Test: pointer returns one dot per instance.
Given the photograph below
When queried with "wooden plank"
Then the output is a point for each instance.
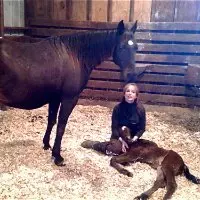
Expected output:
(155, 78)
(99, 10)
(142, 10)
(167, 37)
(109, 11)
(41, 8)
(163, 11)
(169, 69)
(68, 9)
(1, 19)
(169, 48)
(59, 9)
(70, 23)
(169, 99)
(181, 11)
(108, 65)
(97, 84)
(173, 59)
(50, 9)
(170, 26)
(145, 97)
(47, 32)
(79, 10)
(29, 10)
(143, 87)
(120, 10)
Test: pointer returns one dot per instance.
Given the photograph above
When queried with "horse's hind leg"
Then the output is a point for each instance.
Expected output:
(159, 183)
(117, 162)
(170, 182)
(52, 116)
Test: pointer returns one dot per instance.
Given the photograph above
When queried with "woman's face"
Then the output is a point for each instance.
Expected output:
(130, 94)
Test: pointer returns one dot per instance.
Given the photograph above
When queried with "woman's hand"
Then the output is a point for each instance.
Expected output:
(135, 138)
(124, 145)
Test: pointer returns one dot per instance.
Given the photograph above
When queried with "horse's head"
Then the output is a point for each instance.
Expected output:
(124, 52)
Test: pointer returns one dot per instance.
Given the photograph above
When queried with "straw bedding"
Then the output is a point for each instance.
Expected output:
(27, 172)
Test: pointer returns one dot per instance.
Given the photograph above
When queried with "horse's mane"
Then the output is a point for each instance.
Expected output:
(90, 47)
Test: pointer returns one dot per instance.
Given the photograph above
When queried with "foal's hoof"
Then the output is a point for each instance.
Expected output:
(59, 161)
(141, 197)
(129, 174)
(88, 144)
(126, 172)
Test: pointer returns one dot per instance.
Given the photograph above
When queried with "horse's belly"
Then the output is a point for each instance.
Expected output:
(27, 101)
(27, 104)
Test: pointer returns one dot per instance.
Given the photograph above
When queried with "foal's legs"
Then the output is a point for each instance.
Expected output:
(159, 183)
(117, 162)
(66, 108)
(52, 116)
(171, 182)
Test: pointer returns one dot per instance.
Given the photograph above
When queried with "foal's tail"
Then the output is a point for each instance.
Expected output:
(189, 176)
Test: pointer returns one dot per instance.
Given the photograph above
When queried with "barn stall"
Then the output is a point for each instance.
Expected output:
(168, 44)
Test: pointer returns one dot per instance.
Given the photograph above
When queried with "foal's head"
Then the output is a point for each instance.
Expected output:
(125, 134)
(124, 52)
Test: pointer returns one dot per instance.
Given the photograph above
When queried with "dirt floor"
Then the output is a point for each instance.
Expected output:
(27, 172)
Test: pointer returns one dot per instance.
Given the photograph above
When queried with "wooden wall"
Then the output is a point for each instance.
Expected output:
(101, 10)
(114, 10)
(166, 44)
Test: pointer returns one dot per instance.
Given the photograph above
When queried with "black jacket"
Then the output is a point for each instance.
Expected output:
(132, 115)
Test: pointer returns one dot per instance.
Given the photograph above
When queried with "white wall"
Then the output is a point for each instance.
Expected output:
(13, 13)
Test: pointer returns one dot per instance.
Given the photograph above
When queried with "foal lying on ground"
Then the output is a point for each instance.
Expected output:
(168, 163)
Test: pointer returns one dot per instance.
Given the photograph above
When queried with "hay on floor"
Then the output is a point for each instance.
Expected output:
(27, 172)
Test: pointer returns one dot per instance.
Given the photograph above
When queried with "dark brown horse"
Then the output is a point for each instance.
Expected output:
(168, 163)
(56, 70)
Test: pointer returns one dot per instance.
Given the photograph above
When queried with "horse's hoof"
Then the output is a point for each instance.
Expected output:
(141, 197)
(58, 161)
(47, 147)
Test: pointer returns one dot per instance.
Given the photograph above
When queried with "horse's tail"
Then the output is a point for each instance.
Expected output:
(189, 176)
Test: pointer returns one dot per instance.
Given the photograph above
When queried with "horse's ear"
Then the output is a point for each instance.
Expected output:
(120, 27)
(133, 29)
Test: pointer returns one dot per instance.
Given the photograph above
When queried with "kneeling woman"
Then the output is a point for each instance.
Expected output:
(130, 115)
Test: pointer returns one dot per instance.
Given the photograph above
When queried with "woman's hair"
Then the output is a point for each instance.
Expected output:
(131, 84)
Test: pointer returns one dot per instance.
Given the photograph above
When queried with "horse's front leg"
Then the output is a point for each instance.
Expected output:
(52, 116)
(66, 108)
(117, 162)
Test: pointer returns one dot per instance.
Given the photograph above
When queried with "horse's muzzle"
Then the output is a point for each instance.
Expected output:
(130, 78)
